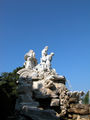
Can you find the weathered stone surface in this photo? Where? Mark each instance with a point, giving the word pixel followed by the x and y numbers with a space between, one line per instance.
pixel 73 100
pixel 37 114
pixel 78 117
pixel 55 102
pixel 79 109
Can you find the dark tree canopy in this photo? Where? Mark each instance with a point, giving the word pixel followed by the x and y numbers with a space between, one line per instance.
pixel 8 92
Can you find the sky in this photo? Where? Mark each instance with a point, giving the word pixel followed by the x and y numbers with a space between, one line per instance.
pixel 62 25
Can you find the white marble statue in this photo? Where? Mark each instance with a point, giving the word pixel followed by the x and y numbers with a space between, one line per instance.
pixel 45 61
pixel 30 60
pixel 44 54
pixel 48 61
pixel 42 65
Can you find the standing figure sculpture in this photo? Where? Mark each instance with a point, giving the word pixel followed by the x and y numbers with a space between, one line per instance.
pixel 43 58
pixel 48 61
pixel 44 54
pixel 30 60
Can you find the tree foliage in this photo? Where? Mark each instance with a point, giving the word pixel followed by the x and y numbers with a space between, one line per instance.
pixel 8 92
pixel 86 98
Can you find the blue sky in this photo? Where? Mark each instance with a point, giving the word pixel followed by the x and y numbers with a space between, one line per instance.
pixel 63 25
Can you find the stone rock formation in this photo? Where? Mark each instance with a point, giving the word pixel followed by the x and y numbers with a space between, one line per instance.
pixel 42 92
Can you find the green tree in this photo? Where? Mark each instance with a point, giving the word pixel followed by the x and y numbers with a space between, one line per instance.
pixel 8 92
pixel 86 98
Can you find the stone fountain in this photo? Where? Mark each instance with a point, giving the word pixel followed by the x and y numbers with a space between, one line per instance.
pixel 42 93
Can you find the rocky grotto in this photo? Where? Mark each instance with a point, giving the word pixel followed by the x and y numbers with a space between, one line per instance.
pixel 42 93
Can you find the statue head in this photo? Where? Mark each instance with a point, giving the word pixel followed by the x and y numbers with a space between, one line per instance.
pixel 44 51
pixel 46 47
pixel 52 54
